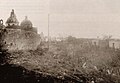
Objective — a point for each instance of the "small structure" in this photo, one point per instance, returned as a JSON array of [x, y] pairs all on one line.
[[104, 43], [114, 44], [1, 24], [95, 42]]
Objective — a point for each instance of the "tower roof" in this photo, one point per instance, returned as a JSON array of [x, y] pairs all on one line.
[[12, 18]]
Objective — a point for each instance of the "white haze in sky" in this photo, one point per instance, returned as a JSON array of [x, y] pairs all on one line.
[[80, 18]]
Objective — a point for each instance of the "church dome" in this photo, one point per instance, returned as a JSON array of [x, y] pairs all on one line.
[[26, 24], [12, 20]]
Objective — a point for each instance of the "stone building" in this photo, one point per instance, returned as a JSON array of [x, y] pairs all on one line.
[[20, 37], [114, 44], [111, 43], [95, 42]]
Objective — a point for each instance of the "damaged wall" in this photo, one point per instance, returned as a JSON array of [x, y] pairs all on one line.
[[17, 39]]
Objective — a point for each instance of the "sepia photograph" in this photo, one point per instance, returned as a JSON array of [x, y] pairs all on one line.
[[59, 41]]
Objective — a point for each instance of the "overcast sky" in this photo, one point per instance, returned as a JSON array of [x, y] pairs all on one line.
[[80, 18]]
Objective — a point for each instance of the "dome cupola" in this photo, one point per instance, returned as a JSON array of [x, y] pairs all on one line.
[[26, 24]]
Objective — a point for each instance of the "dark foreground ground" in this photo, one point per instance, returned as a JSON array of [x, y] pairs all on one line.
[[17, 74], [60, 66]]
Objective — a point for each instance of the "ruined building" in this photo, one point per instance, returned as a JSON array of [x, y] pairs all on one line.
[[19, 37]]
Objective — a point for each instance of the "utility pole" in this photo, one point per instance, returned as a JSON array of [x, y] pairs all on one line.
[[48, 31]]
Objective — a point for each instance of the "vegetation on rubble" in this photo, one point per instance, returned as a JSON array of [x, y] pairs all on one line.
[[66, 62]]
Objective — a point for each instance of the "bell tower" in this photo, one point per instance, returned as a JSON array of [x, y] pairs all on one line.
[[12, 20]]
